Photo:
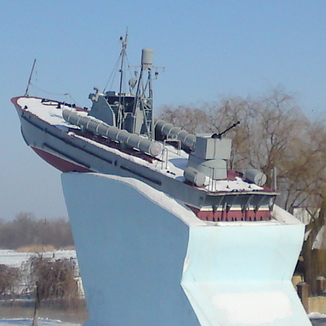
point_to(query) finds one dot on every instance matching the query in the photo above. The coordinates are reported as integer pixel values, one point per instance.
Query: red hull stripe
(59, 163)
(232, 215)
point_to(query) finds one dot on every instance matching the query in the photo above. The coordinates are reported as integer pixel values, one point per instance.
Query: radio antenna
(29, 79)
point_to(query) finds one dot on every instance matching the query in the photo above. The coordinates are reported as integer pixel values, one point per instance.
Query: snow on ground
(317, 315)
(50, 322)
(15, 259)
(41, 322)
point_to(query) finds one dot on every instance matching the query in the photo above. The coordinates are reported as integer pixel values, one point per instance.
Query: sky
(209, 49)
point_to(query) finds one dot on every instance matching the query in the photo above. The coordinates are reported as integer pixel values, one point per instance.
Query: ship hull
(69, 152)
(147, 260)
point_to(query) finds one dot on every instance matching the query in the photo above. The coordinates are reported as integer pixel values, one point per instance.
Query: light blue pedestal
(146, 260)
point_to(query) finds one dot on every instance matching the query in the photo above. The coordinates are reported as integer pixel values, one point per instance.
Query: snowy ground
(318, 319)
(41, 322)
(48, 322)
(15, 259)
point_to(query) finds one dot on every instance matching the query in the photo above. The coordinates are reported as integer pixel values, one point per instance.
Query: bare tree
(26, 230)
(53, 279)
(314, 255)
(187, 117)
(9, 279)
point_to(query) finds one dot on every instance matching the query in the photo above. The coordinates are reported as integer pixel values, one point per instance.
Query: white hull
(147, 260)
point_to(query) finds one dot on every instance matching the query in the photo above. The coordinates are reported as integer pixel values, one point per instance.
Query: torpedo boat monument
(165, 233)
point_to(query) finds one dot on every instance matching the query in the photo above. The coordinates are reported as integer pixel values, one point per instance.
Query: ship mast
(121, 98)
(29, 79)
(143, 105)
(132, 112)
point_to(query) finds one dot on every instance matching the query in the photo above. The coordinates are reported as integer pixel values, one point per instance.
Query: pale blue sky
(208, 48)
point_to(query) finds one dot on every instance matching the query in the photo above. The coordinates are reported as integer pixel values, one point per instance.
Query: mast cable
(114, 71)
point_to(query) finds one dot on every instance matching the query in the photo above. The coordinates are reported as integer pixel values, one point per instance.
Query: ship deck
(171, 161)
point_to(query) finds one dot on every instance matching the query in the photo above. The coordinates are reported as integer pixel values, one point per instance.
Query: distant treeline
(25, 230)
